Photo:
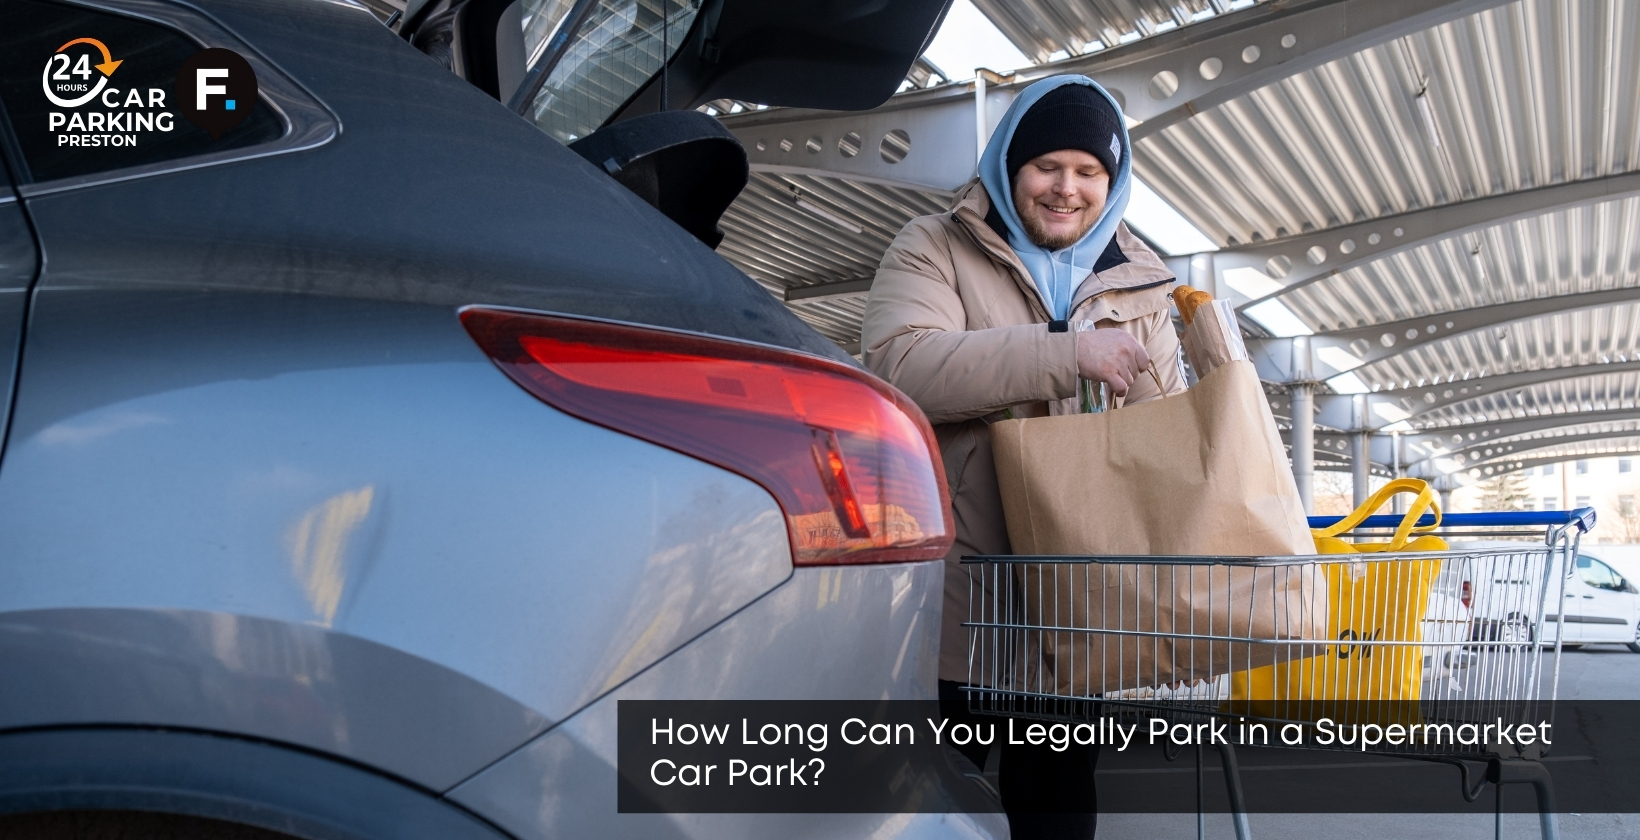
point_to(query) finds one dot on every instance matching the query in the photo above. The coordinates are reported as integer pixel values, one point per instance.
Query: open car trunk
(578, 68)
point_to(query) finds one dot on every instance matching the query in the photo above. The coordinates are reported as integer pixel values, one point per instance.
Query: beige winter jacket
(955, 322)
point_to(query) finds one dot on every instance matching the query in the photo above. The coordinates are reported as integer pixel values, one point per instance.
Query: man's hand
(1111, 356)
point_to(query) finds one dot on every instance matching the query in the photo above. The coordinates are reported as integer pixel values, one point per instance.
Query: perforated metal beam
(930, 138)
(822, 291)
(1437, 395)
(1473, 455)
(1297, 261)
(1493, 468)
(1439, 443)
(1171, 77)
(1444, 442)
(922, 139)
(1341, 351)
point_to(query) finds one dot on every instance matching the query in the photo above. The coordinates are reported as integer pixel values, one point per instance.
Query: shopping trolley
(1195, 639)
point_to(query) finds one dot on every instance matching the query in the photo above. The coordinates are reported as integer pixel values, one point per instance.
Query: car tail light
(851, 461)
(1466, 593)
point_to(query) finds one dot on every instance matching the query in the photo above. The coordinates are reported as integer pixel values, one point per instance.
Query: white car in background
(1601, 606)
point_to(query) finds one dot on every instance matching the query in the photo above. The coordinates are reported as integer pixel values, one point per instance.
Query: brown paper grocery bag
(1213, 337)
(1198, 473)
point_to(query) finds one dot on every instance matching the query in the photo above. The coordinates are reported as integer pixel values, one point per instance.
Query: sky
(968, 40)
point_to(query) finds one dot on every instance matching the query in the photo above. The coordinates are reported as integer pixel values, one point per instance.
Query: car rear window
(129, 116)
(596, 58)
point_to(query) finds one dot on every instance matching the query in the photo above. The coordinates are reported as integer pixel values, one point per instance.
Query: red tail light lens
(851, 461)
(1466, 593)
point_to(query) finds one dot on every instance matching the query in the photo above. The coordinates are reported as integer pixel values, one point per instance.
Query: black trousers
(1047, 793)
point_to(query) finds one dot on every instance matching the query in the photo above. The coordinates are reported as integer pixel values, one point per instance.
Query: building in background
(1610, 485)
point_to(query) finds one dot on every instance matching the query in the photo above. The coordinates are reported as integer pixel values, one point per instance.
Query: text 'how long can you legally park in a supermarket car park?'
(895, 756)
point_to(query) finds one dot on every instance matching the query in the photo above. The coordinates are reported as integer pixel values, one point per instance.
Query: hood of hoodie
(1057, 274)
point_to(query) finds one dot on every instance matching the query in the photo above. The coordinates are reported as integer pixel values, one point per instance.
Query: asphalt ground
(1596, 672)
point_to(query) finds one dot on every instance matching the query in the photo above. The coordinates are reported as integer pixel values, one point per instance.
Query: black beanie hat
(1072, 116)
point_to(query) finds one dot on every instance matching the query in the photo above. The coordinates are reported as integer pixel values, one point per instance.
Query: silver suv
(360, 456)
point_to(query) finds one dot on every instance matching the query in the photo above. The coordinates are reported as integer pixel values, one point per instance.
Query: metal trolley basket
(1075, 638)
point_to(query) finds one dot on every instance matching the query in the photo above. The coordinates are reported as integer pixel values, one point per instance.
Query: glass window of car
(1598, 574)
(88, 92)
(542, 19)
(617, 47)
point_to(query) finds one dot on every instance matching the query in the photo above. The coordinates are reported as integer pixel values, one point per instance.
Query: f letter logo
(216, 90)
(203, 89)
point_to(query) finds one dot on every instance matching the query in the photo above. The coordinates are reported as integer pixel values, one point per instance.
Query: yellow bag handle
(1409, 522)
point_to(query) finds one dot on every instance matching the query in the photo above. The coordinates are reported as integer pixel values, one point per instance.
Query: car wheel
(1634, 646)
(1515, 631)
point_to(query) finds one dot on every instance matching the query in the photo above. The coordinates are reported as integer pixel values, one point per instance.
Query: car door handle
(1589, 596)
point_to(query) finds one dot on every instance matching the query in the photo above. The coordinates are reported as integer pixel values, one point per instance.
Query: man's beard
(1040, 237)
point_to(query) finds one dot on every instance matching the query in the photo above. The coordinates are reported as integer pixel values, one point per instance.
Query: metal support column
(1202, 276)
(983, 79)
(982, 126)
(1360, 450)
(1398, 464)
(1445, 485)
(1301, 390)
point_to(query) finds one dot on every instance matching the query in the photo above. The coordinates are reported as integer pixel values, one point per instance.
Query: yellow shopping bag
(1373, 601)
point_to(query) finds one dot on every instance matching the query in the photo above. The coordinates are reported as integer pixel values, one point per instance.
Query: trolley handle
(1583, 518)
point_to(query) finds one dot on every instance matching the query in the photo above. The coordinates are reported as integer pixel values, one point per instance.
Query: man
(980, 314)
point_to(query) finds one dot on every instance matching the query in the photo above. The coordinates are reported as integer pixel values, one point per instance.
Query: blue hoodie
(1057, 274)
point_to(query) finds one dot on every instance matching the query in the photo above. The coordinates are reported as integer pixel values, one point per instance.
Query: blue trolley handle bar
(1583, 518)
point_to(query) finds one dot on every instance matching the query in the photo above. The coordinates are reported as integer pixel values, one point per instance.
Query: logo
(216, 90)
(94, 112)
(67, 82)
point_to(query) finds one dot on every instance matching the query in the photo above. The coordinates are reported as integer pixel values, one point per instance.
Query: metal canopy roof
(1041, 28)
(1528, 94)
(1501, 141)
(789, 231)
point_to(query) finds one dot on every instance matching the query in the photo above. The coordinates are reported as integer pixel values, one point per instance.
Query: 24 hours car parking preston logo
(92, 110)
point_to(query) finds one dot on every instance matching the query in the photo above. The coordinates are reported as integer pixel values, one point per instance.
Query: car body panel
(18, 260)
(260, 481)
(1445, 627)
(319, 462)
(1571, 613)
(788, 646)
(1593, 615)
(1607, 614)
(451, 200)
(279, 681)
